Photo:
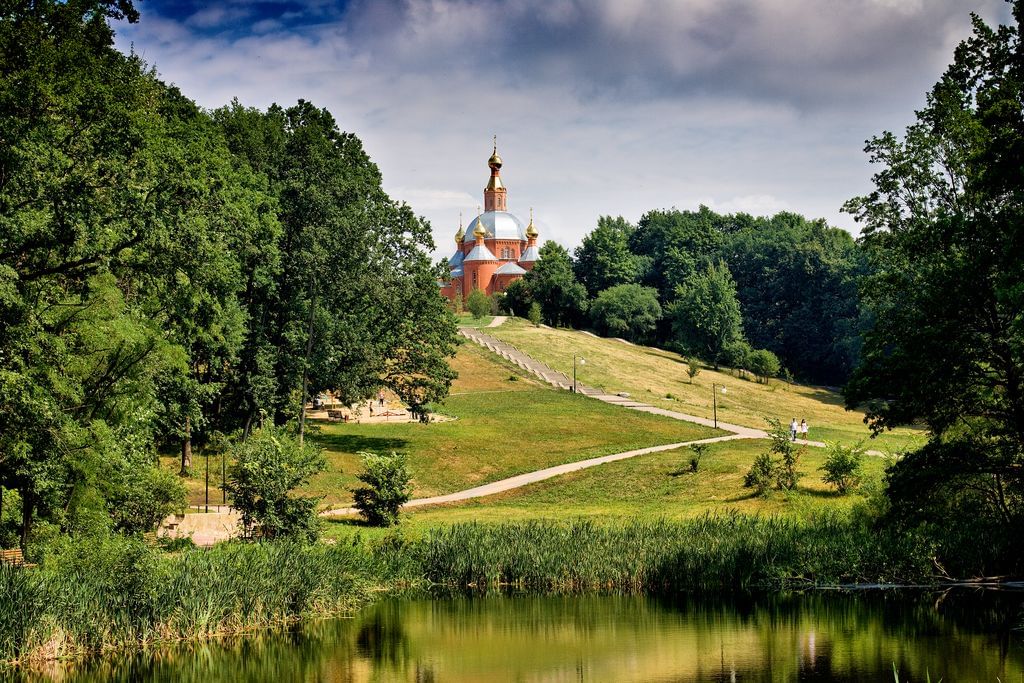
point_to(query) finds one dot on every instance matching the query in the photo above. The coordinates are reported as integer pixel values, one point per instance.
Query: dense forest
(714, 286)
(169, 275)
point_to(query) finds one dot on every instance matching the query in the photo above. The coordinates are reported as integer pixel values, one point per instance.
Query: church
(496, 249)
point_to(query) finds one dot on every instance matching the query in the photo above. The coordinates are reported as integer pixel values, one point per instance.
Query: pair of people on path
(798, 429)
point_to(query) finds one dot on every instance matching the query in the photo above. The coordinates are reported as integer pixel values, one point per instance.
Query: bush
(534, 314)
(843, 466)
(386, 490)
(631, 311)
(478, 303)
(699, 450)
(763, 474)
(266, 468)
(692, 369)
(767, 470)
(764, 364)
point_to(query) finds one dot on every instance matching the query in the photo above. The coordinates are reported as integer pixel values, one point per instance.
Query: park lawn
(467, 320)
(648, 486)
(500, 428)
(652, 375)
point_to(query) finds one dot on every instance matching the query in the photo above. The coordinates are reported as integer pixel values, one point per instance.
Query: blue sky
(600, 106)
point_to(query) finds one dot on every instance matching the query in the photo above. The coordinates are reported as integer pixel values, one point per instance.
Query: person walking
(793, 427)
(803, 429)
(380, 398)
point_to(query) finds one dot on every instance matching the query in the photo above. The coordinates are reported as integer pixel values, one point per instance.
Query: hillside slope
(659, 377)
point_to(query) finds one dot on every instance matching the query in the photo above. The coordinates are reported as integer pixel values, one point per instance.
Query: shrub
(699, 450)
(764, 364)
(763, 474)
(843, 466)
(478, 303)
(692, 369)
(534, 314)
(386, 490)
(631, 311)
(266, 468)
(767, 470)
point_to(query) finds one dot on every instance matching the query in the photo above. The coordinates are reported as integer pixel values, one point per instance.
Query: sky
(600, 107)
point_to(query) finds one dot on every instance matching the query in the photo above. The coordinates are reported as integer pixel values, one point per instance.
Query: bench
(337, 415)
(14, 558)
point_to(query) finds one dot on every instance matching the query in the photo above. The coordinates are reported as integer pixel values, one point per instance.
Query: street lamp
(714, 399)
(583, 361)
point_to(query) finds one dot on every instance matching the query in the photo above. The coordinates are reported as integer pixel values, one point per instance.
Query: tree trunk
(27, 504)
(186, 448)
(305, 370)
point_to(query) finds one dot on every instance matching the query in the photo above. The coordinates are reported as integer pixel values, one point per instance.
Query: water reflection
(815, 637)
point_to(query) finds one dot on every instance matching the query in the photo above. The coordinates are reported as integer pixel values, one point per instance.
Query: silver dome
(499, 225)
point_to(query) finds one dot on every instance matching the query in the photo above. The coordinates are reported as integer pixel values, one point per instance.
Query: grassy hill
(499, 427)
(659, 378)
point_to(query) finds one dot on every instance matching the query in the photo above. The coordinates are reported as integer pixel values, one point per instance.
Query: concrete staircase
(517, 357)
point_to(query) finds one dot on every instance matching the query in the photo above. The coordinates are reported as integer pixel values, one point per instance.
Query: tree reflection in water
(815, 636)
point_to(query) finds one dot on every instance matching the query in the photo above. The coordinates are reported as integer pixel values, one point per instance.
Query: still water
(831, 636)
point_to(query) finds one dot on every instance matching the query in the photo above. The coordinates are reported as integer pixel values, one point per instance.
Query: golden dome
(531, 229)
(480, 231)
(495, 160)
(461, 233)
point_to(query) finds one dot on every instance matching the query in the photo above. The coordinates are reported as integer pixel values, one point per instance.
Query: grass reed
(116, 594)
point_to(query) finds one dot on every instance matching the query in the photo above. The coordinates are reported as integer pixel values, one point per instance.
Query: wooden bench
(14, 558)
(337, 415)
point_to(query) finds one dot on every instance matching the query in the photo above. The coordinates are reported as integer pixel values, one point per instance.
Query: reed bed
(116, 594)
(119, 594)
(712, 553)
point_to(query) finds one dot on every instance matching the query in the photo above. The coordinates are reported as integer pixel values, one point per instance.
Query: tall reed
(97, 596)
(709, 553)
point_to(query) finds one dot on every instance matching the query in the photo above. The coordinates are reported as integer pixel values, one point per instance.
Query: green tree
(692, 368)
(764, 364)
(562, 299)
(113, 195)
(844, 467)
(534, 315)
(796, 281)
(629, 311)
(778, 465)
(943, 233)
(478, 303)
(603, 259)
(266, 469)
(676, 245)
(518, 298)
(353, 304)
(387, 488)
(706, 315)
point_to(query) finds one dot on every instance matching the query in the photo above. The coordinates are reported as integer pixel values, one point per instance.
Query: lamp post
(714, 399)
(583, 361)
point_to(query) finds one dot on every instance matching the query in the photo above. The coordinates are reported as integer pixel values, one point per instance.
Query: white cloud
(601, 107)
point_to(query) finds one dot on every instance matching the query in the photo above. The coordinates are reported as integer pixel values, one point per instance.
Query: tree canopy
(168, 273)
(943, 235)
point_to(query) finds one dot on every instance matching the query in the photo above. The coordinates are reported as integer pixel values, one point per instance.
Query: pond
(819, 636)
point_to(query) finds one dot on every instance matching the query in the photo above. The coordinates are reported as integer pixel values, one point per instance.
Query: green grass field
(467, 320)
(651, 486)
(499, 428)
(652, 375)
